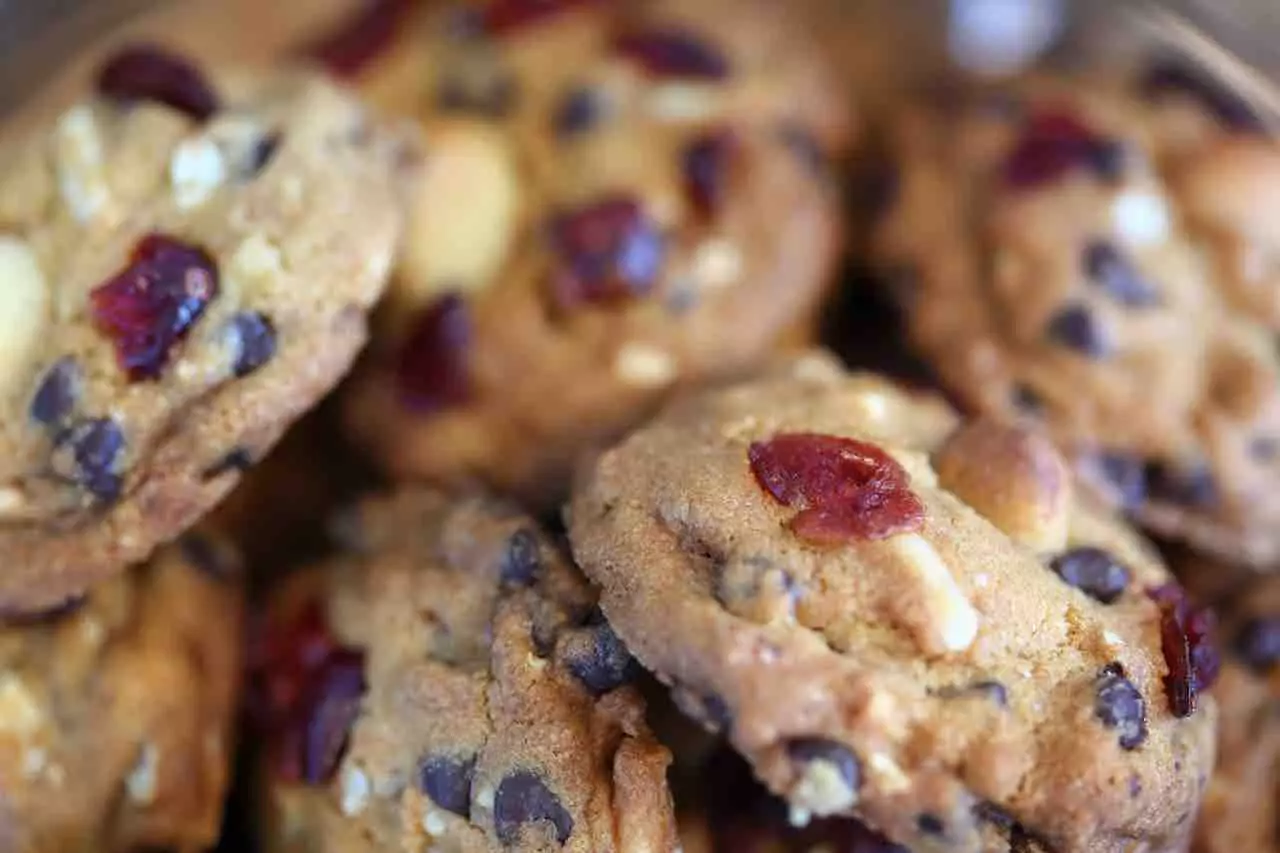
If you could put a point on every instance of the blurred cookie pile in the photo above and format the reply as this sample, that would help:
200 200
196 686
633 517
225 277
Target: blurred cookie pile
637 426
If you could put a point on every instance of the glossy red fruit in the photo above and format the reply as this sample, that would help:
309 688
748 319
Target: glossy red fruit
609 251
1055 143
502 17
673 53
707 163
844 489
1186 642
359 39
150 73
151 305
431 373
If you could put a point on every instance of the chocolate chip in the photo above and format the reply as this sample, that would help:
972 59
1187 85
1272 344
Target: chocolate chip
838 756
523 799
252 338
332 708
598 659
237 461
1258 644
1094 572
1076 327
930 824
1026 400
707 162
447 781
706 708
1127 475
579 111
1184 484
207 556
88 454
1169 76
1108 158
1110 270
993 691
55 398
1120 706
522 559
263 151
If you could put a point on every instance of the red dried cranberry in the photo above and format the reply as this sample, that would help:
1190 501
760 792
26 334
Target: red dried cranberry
149 73
673 53
844 489
1053 144
707 163
432 368
504 16
610 251
152 304
1188 651
356 41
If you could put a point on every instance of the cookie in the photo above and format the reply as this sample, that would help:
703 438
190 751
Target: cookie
1241 812
188 261
589 234
901 618
1064 253
116 710
450 683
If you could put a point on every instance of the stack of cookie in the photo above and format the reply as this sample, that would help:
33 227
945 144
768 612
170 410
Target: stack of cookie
641 570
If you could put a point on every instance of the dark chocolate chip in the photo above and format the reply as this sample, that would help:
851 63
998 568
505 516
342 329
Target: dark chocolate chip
55 399
930 824
523 799
1185 484
580 110
598 659
1258 644
1107 158
1027 401
88 454
332 708
993 691
237 461
1110 270
207 556
447 781
263 151
253 340
1076 327
522 559
838 756
1127 475
705 708
1094 572
1120 706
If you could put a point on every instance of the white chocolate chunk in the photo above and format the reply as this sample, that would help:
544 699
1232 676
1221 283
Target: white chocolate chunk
141 781
24 313
717 264
1141 218
679 102
78 160
645 366
822 789
433 822
196 170
889 776
355 790
20 714
950 620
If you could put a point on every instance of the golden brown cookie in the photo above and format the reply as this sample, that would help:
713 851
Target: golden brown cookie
116 711
450 683
901 618
619 199
187 262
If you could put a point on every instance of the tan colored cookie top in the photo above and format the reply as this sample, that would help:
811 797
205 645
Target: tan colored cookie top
186 261
902 619
619 198
487 702
116 713
1066 253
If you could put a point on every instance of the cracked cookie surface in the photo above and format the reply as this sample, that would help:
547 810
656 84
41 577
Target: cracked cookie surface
450 684
653 212
901 618
116 711
187 258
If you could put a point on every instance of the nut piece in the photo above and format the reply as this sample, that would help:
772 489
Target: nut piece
464 213
24 310
1014 478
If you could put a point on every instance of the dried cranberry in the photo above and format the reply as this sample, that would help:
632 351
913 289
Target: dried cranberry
1173 77
1094 572
673 53
609 250
505 16
356 41
1188 650
149 73
707 163
1055 143
152 304
843 488
432 367
1258 644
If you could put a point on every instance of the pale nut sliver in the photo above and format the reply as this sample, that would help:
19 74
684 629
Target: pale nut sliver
24 310
463 215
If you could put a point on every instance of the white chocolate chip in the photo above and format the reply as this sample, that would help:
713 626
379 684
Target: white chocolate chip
950 621
141 781
24 314
78 159
355 790
433 822
20 714
889 775
679 102
799 816
1141 218
484 797
717 264
1111 638
536 663
196 170
645 366
12 502
822 789
464 213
